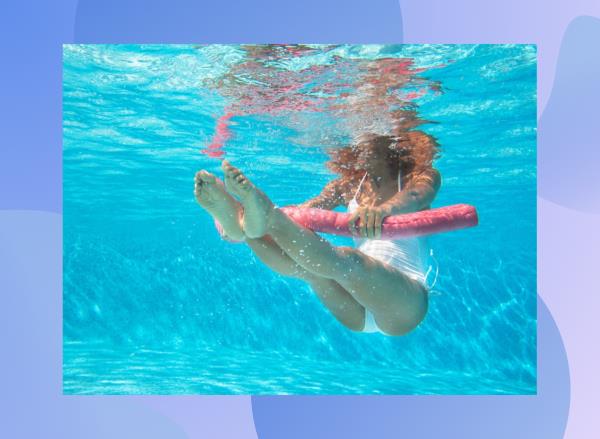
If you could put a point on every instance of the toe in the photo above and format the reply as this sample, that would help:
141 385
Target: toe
206 177
226 166
198 193
231 170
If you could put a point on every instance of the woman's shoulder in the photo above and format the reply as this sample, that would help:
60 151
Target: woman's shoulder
429 175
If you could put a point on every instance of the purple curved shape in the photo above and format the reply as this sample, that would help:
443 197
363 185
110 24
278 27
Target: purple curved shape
569 154
492 417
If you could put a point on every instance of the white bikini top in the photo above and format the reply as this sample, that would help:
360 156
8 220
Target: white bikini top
353 204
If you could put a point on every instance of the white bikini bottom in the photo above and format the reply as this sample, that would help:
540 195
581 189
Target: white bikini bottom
412 256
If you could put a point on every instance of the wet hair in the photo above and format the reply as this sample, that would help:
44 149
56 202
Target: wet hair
412 152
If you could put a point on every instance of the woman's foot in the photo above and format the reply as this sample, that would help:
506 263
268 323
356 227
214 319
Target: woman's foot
211 195
257 206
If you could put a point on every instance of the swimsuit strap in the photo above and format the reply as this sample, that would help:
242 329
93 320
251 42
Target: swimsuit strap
359 186
399 180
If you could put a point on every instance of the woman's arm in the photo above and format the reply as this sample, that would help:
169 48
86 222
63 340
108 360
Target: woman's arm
417 195
329 198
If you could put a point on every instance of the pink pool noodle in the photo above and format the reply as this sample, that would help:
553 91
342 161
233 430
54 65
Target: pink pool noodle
426 222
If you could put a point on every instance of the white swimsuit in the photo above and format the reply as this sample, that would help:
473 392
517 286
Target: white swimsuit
409 255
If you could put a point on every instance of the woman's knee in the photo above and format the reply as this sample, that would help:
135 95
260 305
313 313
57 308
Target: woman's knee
402 322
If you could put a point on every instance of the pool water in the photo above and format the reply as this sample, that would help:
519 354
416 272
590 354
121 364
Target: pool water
156 303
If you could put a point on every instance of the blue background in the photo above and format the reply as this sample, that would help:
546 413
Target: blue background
30 220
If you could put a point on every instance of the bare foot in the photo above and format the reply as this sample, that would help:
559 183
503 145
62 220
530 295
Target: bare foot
257 206
211 195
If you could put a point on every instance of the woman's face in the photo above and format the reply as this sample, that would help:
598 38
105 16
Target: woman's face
374 158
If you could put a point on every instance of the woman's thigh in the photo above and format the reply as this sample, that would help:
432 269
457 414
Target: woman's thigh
398 302
344 307
274 257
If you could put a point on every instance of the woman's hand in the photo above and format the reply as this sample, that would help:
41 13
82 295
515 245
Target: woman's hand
371 219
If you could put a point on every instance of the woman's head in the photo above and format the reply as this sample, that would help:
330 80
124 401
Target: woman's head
411 151
375 154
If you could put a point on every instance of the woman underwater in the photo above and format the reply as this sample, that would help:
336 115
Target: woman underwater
381 284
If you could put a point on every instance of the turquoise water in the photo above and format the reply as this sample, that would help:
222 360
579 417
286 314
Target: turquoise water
156 302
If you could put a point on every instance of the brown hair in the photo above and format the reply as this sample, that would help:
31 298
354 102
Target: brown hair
412 152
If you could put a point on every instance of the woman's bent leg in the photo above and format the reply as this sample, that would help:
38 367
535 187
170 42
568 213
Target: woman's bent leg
334 297
397 302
